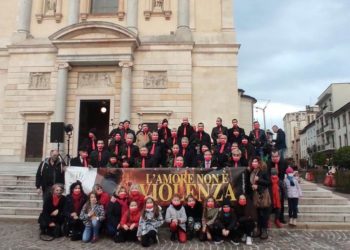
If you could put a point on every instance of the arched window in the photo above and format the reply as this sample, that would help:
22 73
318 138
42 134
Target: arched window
104 6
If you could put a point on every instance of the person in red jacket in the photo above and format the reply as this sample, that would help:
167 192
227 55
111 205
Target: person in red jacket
122 198
129 223
101 195
136 195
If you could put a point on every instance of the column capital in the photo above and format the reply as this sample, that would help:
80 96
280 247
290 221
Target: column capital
125 64
63 65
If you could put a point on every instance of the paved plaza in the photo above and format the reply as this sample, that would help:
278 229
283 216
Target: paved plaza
25 235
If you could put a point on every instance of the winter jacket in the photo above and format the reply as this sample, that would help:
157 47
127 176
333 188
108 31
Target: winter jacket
47 175
113 213
173 214
226 220
245 213
149 223
195 212
210 217
293 191
46 218
99 213
69 205
132 218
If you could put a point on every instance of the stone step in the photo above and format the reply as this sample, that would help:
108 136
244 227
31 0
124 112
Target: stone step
18 217
20 211
22 196
26 183
21 203
18 189
322 225
324 217
16 177
322 209
308 187
319 193
322 201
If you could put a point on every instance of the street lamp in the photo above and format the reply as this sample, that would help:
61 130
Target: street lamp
263 110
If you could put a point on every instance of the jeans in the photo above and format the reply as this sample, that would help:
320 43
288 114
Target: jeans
91 230
293 207
281 153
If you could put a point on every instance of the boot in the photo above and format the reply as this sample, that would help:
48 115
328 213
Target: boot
294 222
173 236
278 223
256 232
290 221
264 234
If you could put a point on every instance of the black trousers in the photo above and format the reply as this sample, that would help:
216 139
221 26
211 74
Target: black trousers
75 229
283 195
127 235
263 217
217 233
149 238
246 227
293 207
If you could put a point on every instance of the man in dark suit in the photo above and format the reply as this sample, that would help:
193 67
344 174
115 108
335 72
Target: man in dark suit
157 151
219 129
185 130
127 130
200 137
258 139
99 157
187 152
144 161
280 142
130 152
209 161
82 160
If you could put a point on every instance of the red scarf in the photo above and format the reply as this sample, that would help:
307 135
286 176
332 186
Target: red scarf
153 149
222 148
85 162
275 192
276 167
185 131
174 140
200 136
116 150
76 202
236 163
220 129
93 145
143 163
246 153
129 152
174 160
55 200
183 152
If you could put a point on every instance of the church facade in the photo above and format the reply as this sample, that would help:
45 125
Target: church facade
93 63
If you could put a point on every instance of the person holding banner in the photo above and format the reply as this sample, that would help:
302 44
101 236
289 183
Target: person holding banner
129 224
208 162
194 211
210 213
75 201
92 215
176 218
151 219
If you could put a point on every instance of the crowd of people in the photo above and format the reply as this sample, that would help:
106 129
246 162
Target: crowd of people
128 215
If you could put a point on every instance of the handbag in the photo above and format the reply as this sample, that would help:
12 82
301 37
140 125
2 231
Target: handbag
262 200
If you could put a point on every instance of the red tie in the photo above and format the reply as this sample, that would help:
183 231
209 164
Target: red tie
129 152
143 164
222 148
174 140
246 154
153 149
220 129
183 152
125 134
200 136
165 134
276 167
185 131
236 164
93 144
116 150
256 134
145 135
85 162
99 155
174 161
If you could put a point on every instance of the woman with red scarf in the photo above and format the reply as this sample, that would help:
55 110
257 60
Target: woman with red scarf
75 201
129 223
51 218
136 195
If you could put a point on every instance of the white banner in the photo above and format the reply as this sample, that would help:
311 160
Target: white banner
86 176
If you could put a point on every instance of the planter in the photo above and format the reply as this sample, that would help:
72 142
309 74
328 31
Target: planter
342 179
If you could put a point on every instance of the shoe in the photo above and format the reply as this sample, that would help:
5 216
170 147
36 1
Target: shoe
173 237
264 234
256 232
295 222
283 221
249 241
244 238
94 240
235 243
218 242
278 223
290 221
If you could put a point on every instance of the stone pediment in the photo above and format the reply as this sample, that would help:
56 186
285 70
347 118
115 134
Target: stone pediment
94 32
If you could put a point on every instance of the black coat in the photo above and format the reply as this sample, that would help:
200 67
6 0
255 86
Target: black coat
215 132
170 142
282 167
113 213
47 175
134 153
87 143
159 156
189 131
148 162
249 148
123 133
195 139
226 222
195 212
112 146
189 157
69 205
245 213
161 133
76 162
263 182
280 142
94 159
45 217
260 141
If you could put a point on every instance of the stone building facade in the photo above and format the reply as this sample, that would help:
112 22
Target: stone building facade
142 60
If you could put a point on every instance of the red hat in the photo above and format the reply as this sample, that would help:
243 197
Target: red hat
289 170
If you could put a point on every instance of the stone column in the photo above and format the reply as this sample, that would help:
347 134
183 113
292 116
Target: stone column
73 13
125 93
24 18
61 92
132 14
183 31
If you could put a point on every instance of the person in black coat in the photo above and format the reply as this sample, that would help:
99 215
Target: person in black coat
209 161
185 129
231 131
222 151
219 129
281 166
144 160
235 159
50 171
157 151
187 152
51 218
170 142
127 130
225 225
91 142
113 216
280 142
115 145
99 158
116 130
75 201
247 150
194 210
129 152
82 160
164 132
200 137
258 139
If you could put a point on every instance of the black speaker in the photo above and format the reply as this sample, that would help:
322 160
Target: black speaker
57 132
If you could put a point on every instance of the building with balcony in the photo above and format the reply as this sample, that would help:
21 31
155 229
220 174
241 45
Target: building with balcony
308 142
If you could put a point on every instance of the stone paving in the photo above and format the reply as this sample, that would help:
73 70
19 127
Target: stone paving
25 235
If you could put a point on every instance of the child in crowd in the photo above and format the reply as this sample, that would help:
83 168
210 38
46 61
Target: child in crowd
293 193
194 211
136 195
246 218
113 216
225 225
210 212
151 219
176 217
92 215
129 224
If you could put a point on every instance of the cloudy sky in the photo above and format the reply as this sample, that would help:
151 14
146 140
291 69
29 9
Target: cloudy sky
291 50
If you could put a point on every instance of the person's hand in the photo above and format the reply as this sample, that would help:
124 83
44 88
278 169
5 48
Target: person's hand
254 187
52 224
125 227
256 178
91 213
139 238
54 213
39 191
118 226
73 214
132 226
125 164
174 221
204 228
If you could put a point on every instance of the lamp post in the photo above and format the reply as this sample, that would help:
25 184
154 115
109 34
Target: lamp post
263 110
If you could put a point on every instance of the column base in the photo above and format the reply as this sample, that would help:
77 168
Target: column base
19 37
183 34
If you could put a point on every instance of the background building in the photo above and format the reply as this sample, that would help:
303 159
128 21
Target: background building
308 142
67 61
